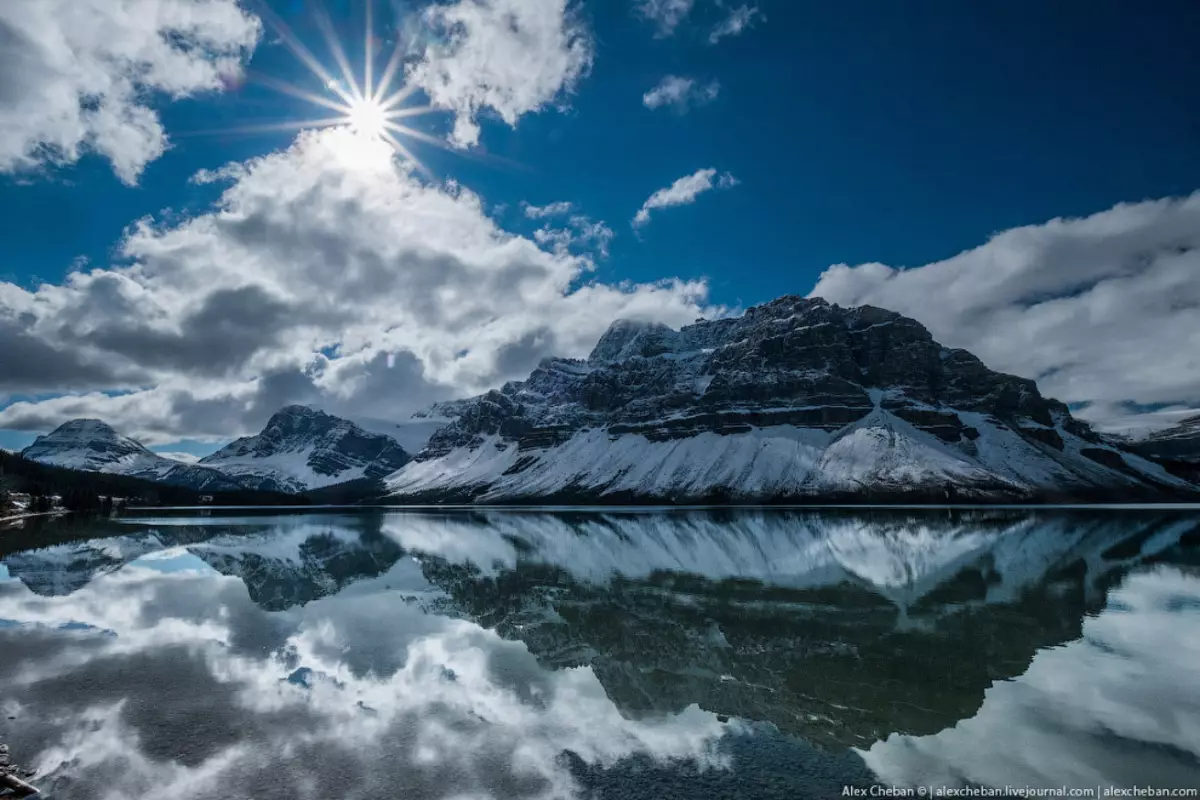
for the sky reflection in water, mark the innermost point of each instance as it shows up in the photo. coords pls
(545, 655)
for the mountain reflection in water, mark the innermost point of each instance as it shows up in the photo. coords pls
(623, 654)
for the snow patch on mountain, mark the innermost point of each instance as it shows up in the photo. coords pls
(302, 448)
(93, 446)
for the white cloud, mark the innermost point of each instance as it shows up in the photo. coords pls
(549, 210)
(581, 233)
(510, 56)
(1102, 311)
(680, 93)
(683, 191)
(665, 14)
(326, 274)
(76, 76)
(739, 19)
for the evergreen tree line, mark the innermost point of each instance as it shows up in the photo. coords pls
(95, 491)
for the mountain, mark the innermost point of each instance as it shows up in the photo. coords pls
(302, 448)
(1180, 442)
(90, 445)
(796, 400)
(80, 490)
(299, 449)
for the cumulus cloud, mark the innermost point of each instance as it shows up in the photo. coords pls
(664, 14)
(76, 76)
(510, 56)
(1103, 311)
(739, 19)
(680, 94)
(326, 274)
(683, 192)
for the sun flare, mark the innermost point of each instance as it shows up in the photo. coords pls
(366, 106)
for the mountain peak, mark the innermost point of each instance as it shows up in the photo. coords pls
(85, 426)
(628, 337)
(87, 444)
(302, 448)
(296, 410)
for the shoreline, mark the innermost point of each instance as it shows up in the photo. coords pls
(652, 507)
(15, 517)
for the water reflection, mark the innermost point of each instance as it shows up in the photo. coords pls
(544, 655)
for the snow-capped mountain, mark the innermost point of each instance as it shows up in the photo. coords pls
(94, 446)
(1180, 442)
(796, 399)
(302, 448)
(299, 449)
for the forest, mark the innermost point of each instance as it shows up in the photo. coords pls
(100, 492)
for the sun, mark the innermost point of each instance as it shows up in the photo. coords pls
(367, 106)
(367, 118)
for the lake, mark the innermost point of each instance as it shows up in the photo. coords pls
(631, 654)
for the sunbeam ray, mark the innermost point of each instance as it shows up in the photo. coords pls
(385, 80)
(411, 111)
(370, 109)
(442, 144)
(300, 94)
(267, 127)
(338, 53)
(398, 97)
(368, 57)
(302, 53)
(399, 147)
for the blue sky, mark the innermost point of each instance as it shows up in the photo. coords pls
(858, 132)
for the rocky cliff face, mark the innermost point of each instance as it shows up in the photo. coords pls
(796, 399)
(94, 446)
(301, 448)
(1179, 443)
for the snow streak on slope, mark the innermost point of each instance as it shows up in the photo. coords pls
(289, 471)
(879, 453)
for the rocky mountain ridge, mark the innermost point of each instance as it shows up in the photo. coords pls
(91, 445)
(1179, 442)
(302, 448)
(796, 400)
(299, 449)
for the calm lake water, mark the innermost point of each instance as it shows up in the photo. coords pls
(519, 654)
